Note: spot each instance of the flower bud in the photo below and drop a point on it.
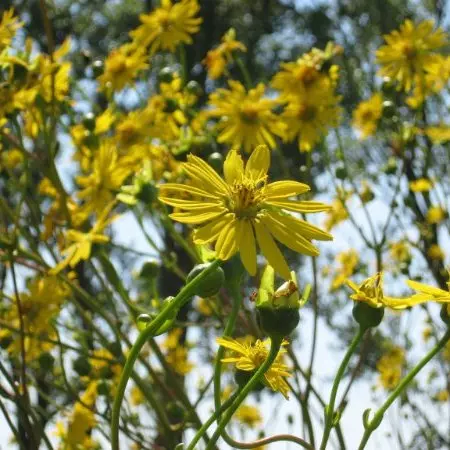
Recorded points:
(278, 311)
(211, 284)
(366, 315)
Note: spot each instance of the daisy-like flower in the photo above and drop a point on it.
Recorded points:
(244, 209)
(249, 357)
(247, 119)
(367, 115)
(370, 291)
(122, 66)
(167, 26)
(9, 24)
(409, 51)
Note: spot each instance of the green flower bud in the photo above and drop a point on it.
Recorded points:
(194, 88)
(171, 105)
(366, 315)
(150, 269)
(389, 109)
(82, 366)
(97, 68)
(165, 75)
(211, 284)
(215, 160)
(341, 172)
(278, 311)
(46, 361)
(89, 121)
(176, 412)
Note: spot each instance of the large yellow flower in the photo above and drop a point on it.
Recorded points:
(251, 356)
(245, 209)
(167, 26)
(409, 51)
(247, 119)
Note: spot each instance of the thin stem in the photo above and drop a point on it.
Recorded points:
(373, 424)
(329, 410)
(185, 293)
(274, 349)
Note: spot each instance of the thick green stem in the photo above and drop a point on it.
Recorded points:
(187, 292)
(373, 424)
(274, 349)
(329, 410)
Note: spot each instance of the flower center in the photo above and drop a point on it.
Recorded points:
(307, 75)
(118, 64)
(247, 197)
(306, 113)
(164, 20)
(249, 113)
(409, 50)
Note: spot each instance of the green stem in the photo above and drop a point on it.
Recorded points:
(244, 71)
(210, 421)
(187, 292)
(329, 410)
(228, 331)
(373, 424)
(274, 349)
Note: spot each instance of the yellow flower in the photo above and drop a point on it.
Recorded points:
(167, 26)
(370, 291)
(81, 246)
(308, 73)
(246, 117)
(435, 252)
(251, 356)
(367, 115)
(177, 353)
(108, 172)
(248, 415)
(338, 212)
(122, 66)
(308, 116)
(390, 367)
(421, 185)
(348, 262)
(8, 27)
(442, 396)
(438, 134)
(400, 251)
(409, 51)
(436, 214)
(245, 209)
(217, 59)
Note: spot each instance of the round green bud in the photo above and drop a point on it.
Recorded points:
(391, 166)
(150, 269)
(97, 68)
(210, 285)
(115, 348)
(366, 316)
(171, 105)
(278, 322)
(388, 87)
(89, 121)
(20, 73)
(82, 366)
(175, 412)
(389, 109)
(194, 88)
(165, 75)
(215, 160)
(5, 342)
(341, 172)
(148, 193)
(103, 388)
(46, 361)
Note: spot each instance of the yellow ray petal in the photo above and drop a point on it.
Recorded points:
(433, 291)
(226, 245)
(210, 232)
(271, 251)
(189, 204)
(164, 189)
(284, 189)
(247, 247)
(258, 163)
(233, 167)
(304, 207)
(195, 217)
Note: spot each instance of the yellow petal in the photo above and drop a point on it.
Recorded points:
(210, 231)
(233, 167)
(247, 247)
(284, 189)
(288, 238)
(165, 189)
(226, 245)
(304, 207)
(195, 217)
(271, 251)
(433, 291)
(258, 163)
(188, 204)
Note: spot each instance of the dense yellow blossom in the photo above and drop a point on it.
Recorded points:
(438, 134)
(177, 352)
(408, 51)
(168, 26)
(8, 27)
(421, 185)
(347, 264)
(367, 115)
(247, 118)
(122, 66)
(248, 415)
(435, 252)
(249, 357)
(436, 214)
(245, 209)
